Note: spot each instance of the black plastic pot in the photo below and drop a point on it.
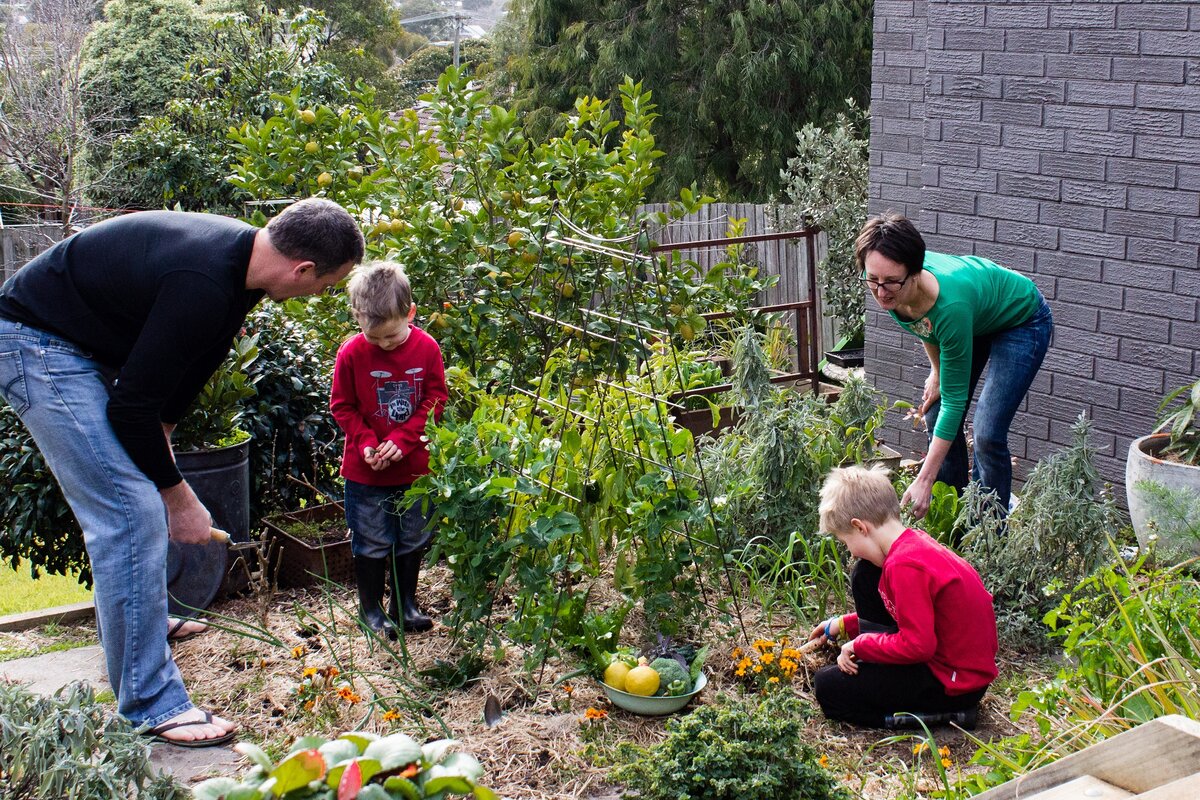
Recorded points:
(220, 477)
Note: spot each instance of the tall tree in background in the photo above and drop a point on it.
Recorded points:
(733, 80)
(43, 131)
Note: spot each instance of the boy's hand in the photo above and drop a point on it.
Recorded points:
(845, 661)
(388, 453)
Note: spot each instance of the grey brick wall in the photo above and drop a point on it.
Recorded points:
(1061, 139)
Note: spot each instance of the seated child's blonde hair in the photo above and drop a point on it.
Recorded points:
(379, 292)
(864, 493)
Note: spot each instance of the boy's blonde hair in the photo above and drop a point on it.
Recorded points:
(379, 292)
(864, 493)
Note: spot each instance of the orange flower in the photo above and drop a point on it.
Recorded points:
(824, 761)
(773, 679)
(944, 752)
(568, 689)
(736, 654)
(410, 771)
(947, 763)
(920, 748)
(298, 651)
(309, 672)
(391, 715)
(594, 713)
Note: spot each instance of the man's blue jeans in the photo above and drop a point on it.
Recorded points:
(61, 394)
(1012, 357)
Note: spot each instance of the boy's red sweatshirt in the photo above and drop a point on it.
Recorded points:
(943, 611)
(380, 394)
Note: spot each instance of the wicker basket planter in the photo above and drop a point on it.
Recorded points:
(300, 562)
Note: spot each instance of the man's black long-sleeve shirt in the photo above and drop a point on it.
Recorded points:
(156, 296)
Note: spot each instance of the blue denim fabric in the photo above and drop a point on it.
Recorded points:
(377, 528)
(1012, 357)
(61, 395)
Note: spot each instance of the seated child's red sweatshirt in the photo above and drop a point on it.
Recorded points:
(944, 614)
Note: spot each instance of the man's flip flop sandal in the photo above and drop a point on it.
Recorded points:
(174, 635)
(156, 733)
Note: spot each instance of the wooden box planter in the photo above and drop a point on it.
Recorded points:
(299, 562)
(1158, 760)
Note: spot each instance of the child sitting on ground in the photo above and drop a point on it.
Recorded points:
(387, 381)
(923, 638)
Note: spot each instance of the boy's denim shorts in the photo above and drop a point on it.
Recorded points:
(381, 524)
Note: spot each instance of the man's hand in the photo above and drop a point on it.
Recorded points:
(846, 661)
(188, 521)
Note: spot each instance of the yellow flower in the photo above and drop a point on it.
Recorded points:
(741, 671)
(736, 654)
(824, 761)
(946, 762)
(391, 715)
(594, 713)
(758, 667)
(773, 679)
(768, 657)
(792, 653)
(298, 651)
(920, 748)
(309, 705)
(944, 751)
(309, 672)
(786, 664)
(783, 640)
(762, 645)
(744, 664)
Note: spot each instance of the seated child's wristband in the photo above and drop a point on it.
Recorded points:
(828, 635)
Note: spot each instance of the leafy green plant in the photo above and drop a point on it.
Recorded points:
(215, 417)
(1058, 534)
(727, 751)
(354, 765)
(1181, 421)
(70, 747)
(827, 182)
(1173, 517)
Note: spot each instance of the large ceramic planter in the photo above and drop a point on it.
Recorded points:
(299, 562)
(1144, 465)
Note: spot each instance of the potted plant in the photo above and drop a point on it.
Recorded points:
(310, 544)
(212, 450)
(1162, 474)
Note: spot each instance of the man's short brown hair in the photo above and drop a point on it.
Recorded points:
(320, 231)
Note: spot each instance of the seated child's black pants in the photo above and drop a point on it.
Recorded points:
(880, 690)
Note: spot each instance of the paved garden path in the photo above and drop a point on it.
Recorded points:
(47, 673)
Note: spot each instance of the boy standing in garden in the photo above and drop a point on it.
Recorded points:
(922, 640)
(387, 382)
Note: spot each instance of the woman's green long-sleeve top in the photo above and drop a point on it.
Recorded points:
(975, 297)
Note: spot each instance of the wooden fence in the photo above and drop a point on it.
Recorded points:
(20, 243)
(786, 258)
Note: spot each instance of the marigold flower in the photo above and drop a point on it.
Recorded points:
(331, 672)
(944, 751)
(773, 679)
(768, 657)
(787, 665)
(744, 664)
(594, 713)
(391, 715)
(410, 771)
(946, 762)
(568, 688)
(308, 706)
(792, 653)
(741, 672)
(308, 672)
(824, 761)
(735, 654)
(758, 667)
(298, 651)
(920, 748)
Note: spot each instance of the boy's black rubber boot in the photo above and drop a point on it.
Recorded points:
(404, 609)
(370, 574)
(966, 720)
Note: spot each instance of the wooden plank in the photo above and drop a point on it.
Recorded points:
(60, 614)
(1149, 756)
(1086, 787)
(1183, 789)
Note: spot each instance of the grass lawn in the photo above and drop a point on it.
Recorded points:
(20, 593)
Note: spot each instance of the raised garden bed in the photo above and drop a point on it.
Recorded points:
(308, 545)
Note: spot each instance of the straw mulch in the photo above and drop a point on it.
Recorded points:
(542, 748)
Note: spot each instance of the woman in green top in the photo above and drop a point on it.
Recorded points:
(968, 312)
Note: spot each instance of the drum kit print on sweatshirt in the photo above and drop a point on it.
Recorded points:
(398, 399)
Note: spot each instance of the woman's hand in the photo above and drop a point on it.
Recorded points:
(932, 393)
(917, 495)
(846, 660)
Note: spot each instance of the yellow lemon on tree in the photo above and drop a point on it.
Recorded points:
(324, 179)
(515, 238)
(642, 681)
(615, 675)
(308, 116)
(567, 290)
(310, 147)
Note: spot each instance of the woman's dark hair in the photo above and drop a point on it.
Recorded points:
(320, 231)
(894, 236)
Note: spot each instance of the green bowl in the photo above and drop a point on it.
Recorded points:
(653, 706)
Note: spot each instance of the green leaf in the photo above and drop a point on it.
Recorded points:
(338, 751)
(438, 781)
(299, 769)
(374, 791)
(434, 752)
(255, 754)
(404, 786)
(214, 789)
(393, 752)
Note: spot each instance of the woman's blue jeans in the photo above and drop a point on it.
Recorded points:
(61, 394)
(1012, 357)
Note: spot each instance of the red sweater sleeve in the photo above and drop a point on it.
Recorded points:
(345, 405)
(911, 588)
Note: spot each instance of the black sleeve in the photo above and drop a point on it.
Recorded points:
(188, 321)
(190, 384)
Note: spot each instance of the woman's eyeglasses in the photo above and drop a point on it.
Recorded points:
(890, 286)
